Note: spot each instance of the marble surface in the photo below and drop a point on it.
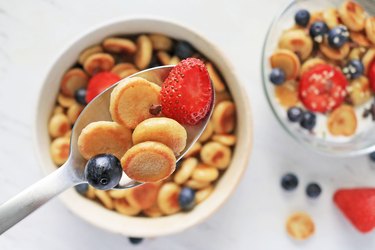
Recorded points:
(32, 32)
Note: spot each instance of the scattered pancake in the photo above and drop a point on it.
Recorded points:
(59, 149)
(123, 207)
(224, 117)
(300, 226)
(143, 196)
(168, 198)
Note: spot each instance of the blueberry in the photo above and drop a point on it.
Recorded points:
(183, 49)
(82, 188)
(338, 36)
(302, 17)
(186, 199)
(372, 156)
(277, 76)
(308, 120)
(80, 96)
(135, 241)
(154, 62)
(294, 114)
(313, 190)
(318, 30)
(353, 69)
(289, 182)
(103, 171)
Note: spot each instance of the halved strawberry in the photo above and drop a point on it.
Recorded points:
(100, 82)
(186, 93)
(358, 205)
(371, 75)
(323, 88)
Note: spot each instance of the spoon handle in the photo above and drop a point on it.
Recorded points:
(21, 205)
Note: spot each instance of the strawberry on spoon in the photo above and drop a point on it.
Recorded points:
(186, 93)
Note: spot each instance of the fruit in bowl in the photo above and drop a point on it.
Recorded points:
(318, 60)
(207, 175)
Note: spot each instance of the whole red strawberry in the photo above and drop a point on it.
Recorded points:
(358, 205)
(100, 82)
(186, 93)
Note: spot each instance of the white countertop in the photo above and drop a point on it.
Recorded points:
(32, 32)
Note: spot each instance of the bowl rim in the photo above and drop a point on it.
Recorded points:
(265, 81)
(247, 116)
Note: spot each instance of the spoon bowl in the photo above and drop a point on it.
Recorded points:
(98, 110)
(71, 173)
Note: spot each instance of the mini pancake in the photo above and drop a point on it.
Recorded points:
(205, 173)
(59, 150)
(164, 130)
(98, 62)
(88, 52)
(143, 196)
(58, 125)
(193, 150)
(104, 137)
(123, 207)
(131, 101)
(153, 211)
(161, 42)
(143, 55)
(72, 80)
(223, 117)
(168, 198)
(119, 45)
(215, 154)
(300, 226)
(203, 194)
(149, 162)
(185, 170)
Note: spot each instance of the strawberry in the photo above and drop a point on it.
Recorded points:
(100, 82)
(323, 88)
(358, 205)
(371, 75)
(186, 93)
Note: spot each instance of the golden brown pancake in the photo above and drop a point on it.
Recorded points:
(149, 162)
(104, 137)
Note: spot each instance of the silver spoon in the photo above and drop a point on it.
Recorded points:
(72, 172)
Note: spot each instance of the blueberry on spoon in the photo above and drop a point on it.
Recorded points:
(103, 171)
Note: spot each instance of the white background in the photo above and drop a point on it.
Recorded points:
(33, 32)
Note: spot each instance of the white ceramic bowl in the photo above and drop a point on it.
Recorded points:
(137, 226)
